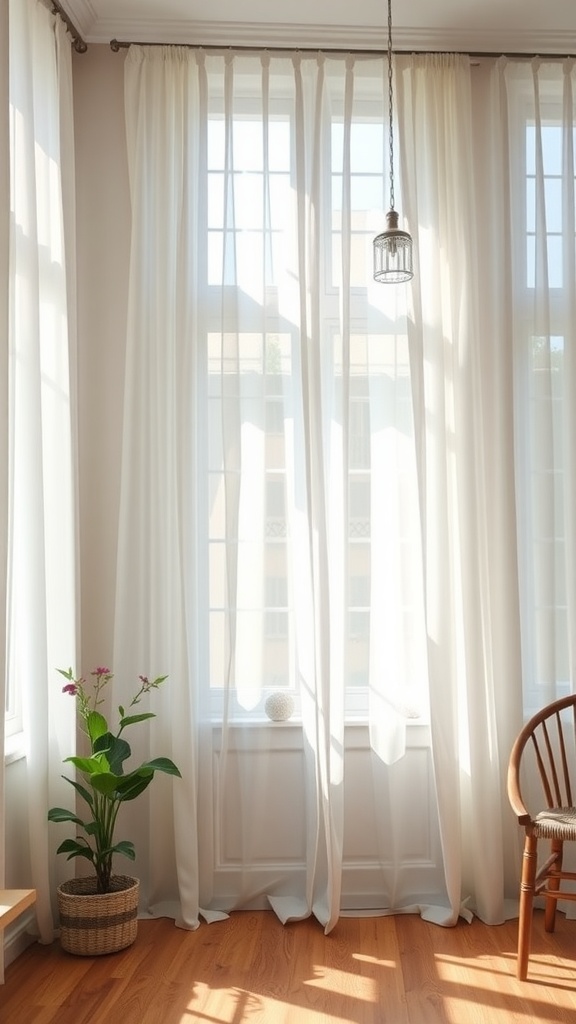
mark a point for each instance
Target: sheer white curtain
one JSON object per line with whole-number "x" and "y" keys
{"x": 538, "y": 100}
{"x": 492, "y": 351}
{"x": 268, "y": 427}
{"x": 323, "y": 491}
{"x": 41, "y": 610}
{"x": 461, "y": 360}
{"x": 4, "y": 235}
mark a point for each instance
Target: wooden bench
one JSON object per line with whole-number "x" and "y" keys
{"x": 14, "y": 902}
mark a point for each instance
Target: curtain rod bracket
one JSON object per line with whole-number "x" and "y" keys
{"x": 78, "y": 42}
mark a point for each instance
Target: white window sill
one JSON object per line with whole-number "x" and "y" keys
{"x": 14, "y": 748}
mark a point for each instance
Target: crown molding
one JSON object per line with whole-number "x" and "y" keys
{"x": 341, "y": 37}
{"x": 83, "y": 16}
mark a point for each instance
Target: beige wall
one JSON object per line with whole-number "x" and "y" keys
{"x": 103, "y": 226}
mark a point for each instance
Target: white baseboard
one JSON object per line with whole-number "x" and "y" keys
{"x": 18, "y": 936}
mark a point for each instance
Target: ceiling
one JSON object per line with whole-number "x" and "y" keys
{"x": 531, "y": 26}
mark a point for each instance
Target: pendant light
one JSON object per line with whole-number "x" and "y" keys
{"x": 393, "y": 247}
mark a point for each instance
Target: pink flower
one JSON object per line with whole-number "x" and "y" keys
{"x": 70, "y": 688}
{"x": 100, "y": 672}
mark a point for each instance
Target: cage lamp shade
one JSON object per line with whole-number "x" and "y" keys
{"x": 393, "y": 253}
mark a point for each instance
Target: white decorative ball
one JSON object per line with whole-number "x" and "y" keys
{"x": 279, "y": 706}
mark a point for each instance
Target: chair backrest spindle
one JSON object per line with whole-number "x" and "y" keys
{"x": 552, "y": 759}
{"x": 542, "y": 768}
{"x": 567, "y": 802}
{"x": 553, "y": 765}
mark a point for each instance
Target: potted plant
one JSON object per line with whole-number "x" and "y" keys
{"x": 98, "y": 913}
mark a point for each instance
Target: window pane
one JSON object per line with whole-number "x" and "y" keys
{"x": 261, "y": 418}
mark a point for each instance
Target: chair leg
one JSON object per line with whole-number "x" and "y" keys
{"x": 553, "y": 884}
{"x": 526, "y": 902}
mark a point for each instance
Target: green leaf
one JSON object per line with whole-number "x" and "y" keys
{"x": 84, "y": 793}
{"x": 96, "y": 725}
{"x": 138, "y": 780}
{"x": 163, "y": 764}
{"x": 117, "y": 751}
{"x": 74, "y": 849}
{"x": 61, "y": 814}
{"x": 90, "y": 765}
{"x": 126, "y": 848}
{"x": 132, "y": 719}
{"x": 132, "y": 785}
{"x": 80, "y": 853}
{"x": 105, "y": 783}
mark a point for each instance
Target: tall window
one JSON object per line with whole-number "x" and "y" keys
{"x": 259, "y": 479}
{"x": 544, "y": 300}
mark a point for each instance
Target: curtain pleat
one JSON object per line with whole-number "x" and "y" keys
{"x": 569, "y": 318}
{"x": 153, "y": 633}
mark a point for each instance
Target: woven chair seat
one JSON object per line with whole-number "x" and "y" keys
{"x": 557, "y": 823}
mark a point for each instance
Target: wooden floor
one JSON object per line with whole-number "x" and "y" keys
{"x": 395, "y": 970}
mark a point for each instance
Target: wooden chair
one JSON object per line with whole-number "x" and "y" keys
{"x": 547, "y": 741}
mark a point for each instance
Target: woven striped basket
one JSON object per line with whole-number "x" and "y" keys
{"x": 93, "y": 923}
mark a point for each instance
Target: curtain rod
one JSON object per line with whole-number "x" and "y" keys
{"x": 120, "y": 44}
{"x": 77, "y": 41}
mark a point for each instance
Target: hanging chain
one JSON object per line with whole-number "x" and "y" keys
{"x": 390, "y": 105}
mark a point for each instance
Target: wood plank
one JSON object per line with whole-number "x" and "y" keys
{"x": 14, "y": 902}
{"x": 378, "y": 958}
{"x": 387, "y": 970}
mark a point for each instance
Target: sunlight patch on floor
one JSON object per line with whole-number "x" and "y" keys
{"x": 232, "y": 1006}
{"x": 339, "y": 983}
